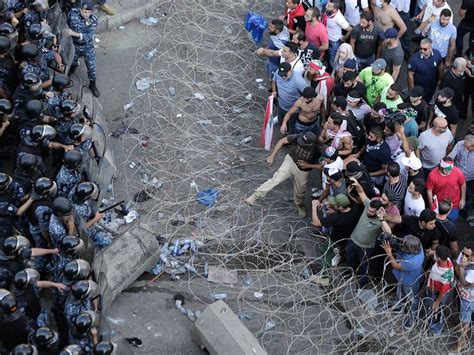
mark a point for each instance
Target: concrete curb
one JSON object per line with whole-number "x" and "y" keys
{"x": 125, "y": 15}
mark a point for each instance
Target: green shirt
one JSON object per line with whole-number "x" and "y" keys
{"x": 374, "y": 83}
{"x": 367, "y": 229}
{"x": 391, "y": 104}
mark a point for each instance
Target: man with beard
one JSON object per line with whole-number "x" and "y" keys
{"x": 335, "y": 23}
{"x": 365, "y": 38}
{"x": 316, "y": 33}
{"x": 348, "y": 84}
{"x": 294, "y": 16}
{"x": 419, "y": 105}
{"x": 444, "y": 108}
{"x": 390, "y": 96}
{"x": 443, "y": 35}
{"x": 375, "y": 79}
{"x": 376, "y": 156}
{"x": 279, "y": 35}
{"x": 306, "y": 51}
{"x": 425, "y": 69}
{"x": 392, "y": 52}
{"x": 320, "y": 80}
{"x": 454, "y": 78}
{"x": 303, "y": 116}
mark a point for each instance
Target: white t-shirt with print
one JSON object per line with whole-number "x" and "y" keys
{"x": 413, "y": 207}
{"x": 335, "y": 25}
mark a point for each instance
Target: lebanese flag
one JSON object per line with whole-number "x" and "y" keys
{"x": 267, "y": 129}
{"x": 441, "y": 278}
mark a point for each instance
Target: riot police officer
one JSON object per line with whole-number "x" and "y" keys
{"x": 31, "y": 87}
{"x": 8, "y": 68}
{"x": 62, "y": 220}
{"x": 71, "y": 112}
{"x": 83, "y": 24}
{"x": 25, "y": 349}
{"x": 81, "y": 202}
{"x": 36, "y": 61}
{"x": 70, "y": 173}
{"x": 83, "y": 331}
{"x": 26, "y": 172}
{"x": 14, "y": 324}
{"x": 46, "y": 340}
{"x": 57, "y": 94}
{"x": 80, "y": 299}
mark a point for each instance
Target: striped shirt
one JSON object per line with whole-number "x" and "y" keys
{"x": 398, "y": 189}
{"x": 464, "y": 160}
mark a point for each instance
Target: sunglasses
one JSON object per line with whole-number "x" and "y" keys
{"x": 424, "y": 49}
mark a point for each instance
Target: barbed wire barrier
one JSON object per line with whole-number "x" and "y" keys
{"x": 197, "y": 102}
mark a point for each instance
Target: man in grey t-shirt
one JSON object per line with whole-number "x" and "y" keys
{"x": 434, "y": 143}
{"x": 392, "y": 52}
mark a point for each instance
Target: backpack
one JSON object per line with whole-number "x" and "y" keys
{"x": 357, "y": 131}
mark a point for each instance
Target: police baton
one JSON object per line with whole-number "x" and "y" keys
{"x": 111, "y": 207}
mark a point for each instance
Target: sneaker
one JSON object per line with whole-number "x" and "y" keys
{"x": 107, "y": 9}
{"x": 252, "y": 199}
{"x": 301, "y": 211}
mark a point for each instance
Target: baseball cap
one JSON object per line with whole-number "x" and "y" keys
{"x": 446, "y": 92}
{"x": 330, "y": 153}
{"x": 284, "y": 68}
{"x": 379, "y": 65}
{"x": 340, "y": 200}
{"x": 350, "y": 64}
{"x": 309, "y": 92}
{"x": 412, "y": 162}
{"x": 389, "y": 33}
{"x": 352, "y": 168}
{"x": 417, "y": 91}
{"x": 333, "y": 173}
{"x": 307, "y": 138}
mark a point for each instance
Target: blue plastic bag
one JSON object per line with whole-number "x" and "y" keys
{"x": 256, "y": 24}
{"x": 207, "y": 197}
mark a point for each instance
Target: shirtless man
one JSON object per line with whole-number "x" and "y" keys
{"x": 386, "y": 16}
{"x": 335, "y": 135}
{"x": 309, "y": 104}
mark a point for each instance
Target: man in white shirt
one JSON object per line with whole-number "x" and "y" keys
{"x": 414, "y": 203}
{"x": 335, "y": 23}
{"x": 432, "y": 8}
{"x": 403, "y": 8}
{"x": 353, "y": 10}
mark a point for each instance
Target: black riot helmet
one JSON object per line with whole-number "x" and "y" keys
{"x": 28, "y": 162}
{"x": 5, "y": 44}
{"x": 25, "y": 349}
{"x": 79, "y": 130}
{"x": 5, "y": 181}
{"x": 8, "y": 303}
{"x": 45, "y": 186}
{"x": 84, "y": 322}
{"x": 71, "y": 245}
{"x": 104, "y": 348}
{"x": 34, "y": 108}
{"x": 30, "y": 52}
{"x": 72, "y": 159}
{"x": 25, "y": 278}
{"x": 70, "y": 107}
{"x": 5, "y": 106}
{"x": 35, "y": 32}
{"x": 5, "y": 278}
{"x": 15, "y": 244}
{"x": 45, "y": 338}
{"x": 62, "y": 206}
{"x": 40, "y": 132}
{"x": 7, "y": 30}
{"x": 83, "y": 289}
{"x": 76, "y": 270}
{"x": 61, "y": 82}
{"x": 86, "y": 190}
{"x": 30, "y": 79}
{"x": 72, "y": 349}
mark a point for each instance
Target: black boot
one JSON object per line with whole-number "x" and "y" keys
{"x": 94, "y": 89}
{"x": 72, "y": 70}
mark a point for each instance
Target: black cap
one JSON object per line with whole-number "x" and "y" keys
{"x": 352, "y": 168}
{"x": 417, "y": 91}
{"x": 284, "y": 68}
{"x": 87, "y": 5}
{"x": 447, "y": 92}
{"x": 309, "y": 92}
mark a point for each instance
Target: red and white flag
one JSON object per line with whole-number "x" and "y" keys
{"x": 441, "y": 278}
{"x": 267, "y": 129}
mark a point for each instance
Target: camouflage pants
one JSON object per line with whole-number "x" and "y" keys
{"x": 88, "y": 53}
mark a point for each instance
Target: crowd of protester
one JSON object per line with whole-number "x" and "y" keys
{"x": 397, "y": 174}
{"x": 49, "y": 301}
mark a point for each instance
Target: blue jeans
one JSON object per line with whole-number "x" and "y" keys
{"x": 407, "y": 295}
{"x": 333, "y": 47}
{"x": 358, "y": 259}
{"x": 365, "y": 62}
{"x": 270, "y": 68}
{"x": 436, "y": 319}
{"x": 466, "y": 310}
{"x": 462, "y": 29}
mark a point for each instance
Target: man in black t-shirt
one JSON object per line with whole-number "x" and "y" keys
{"x": 422, "y": 227}
{"x": 304, "y": 151}
{"x": 306, "y": 51}
{"x": 448, "y": 235}
{"x": 466, "y": 12}
{"x": 365, "y": 39}
{"x": 348, "y": 84}
{"x": 454, "y": 79}
{"x": 420, "y": 106}
{"x": 445, "y": 108}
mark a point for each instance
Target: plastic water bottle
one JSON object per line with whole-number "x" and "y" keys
{"x": 246, "y": 140}
{"x": 219, "y": 296}
{"x": 206, "y": 270}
